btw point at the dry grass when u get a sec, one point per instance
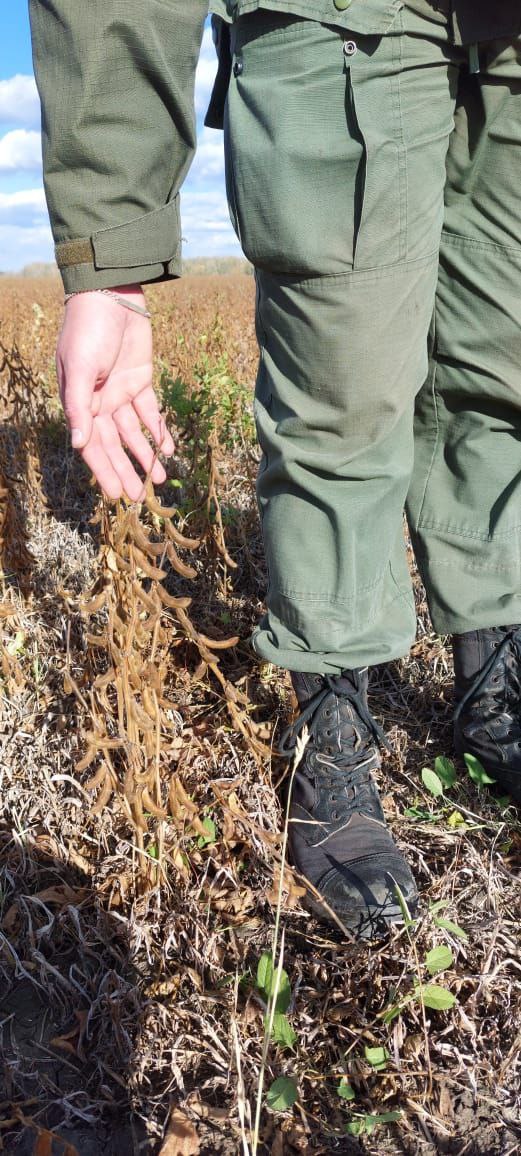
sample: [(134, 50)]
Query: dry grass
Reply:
[(138, 892)]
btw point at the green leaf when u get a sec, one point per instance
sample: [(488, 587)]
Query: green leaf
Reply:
[(282, 1031), (266, 980), (456, 821), (282, 1094), (439, 959), (284, 992), (210, 837), (345, 1090), (431, 781), (377, 1057), (265, 973), (406, 915), (438, 905), (453, 927), (477, 771), (391, 1013), (369, 1122), (435, 997), (445, 770)]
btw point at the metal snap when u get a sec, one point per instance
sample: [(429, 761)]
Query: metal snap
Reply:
[(237, 68), (349, 48)]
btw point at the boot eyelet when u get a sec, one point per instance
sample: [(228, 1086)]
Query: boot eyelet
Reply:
[(327, 713)]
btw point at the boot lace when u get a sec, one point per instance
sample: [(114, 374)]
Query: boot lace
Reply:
[(348, 685)]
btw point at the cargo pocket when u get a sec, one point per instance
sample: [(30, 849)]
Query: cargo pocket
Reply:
[(380, 233), (315, 165)]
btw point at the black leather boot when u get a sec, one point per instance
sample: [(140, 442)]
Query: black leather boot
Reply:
[(487, 721), (338, 838)]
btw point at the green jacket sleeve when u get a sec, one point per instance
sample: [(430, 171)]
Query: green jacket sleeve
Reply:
[(116, 83)]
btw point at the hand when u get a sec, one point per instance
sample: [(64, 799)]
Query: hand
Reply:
[(104, 365)]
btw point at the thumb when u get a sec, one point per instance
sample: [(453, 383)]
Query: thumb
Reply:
[(77, 403)]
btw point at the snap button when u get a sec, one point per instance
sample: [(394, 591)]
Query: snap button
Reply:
[(349, 48), (237, 68), (341, 5)]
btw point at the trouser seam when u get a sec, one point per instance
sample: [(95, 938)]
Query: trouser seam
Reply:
[(434, 364), (461, 240)]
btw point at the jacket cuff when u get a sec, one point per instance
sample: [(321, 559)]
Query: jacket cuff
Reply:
[(147, 248)]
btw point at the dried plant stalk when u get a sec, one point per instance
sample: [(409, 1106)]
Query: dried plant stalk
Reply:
[(135, 622)]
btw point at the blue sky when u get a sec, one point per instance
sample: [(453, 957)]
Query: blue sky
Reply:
[(25, 235)]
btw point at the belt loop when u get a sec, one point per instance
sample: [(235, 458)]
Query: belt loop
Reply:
[(473, 59)]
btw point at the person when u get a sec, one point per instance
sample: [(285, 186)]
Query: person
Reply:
[(373, 169)]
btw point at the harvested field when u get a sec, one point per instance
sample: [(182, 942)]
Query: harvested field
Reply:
[(140, 825)]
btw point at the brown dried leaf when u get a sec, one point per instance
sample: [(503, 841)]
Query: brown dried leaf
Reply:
[(181, 1136)]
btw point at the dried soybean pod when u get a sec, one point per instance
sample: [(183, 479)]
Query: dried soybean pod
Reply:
[(92, 605), (149, 703), (141, 538), (172, 602), (146, 566), (140, 717), (103, 680), (103, 797), (219, 644), (96, 780), (180, 567), (96, 639), (174, 534), (154, 505), (149, 805), (150, 601), (87, 759)]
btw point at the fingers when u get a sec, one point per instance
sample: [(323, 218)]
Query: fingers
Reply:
[(129, 429), (96, 458), (146, 406), (120, 463)]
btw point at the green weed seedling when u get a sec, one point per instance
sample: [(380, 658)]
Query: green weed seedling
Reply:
[(377, 1058), (282, 1094), (446, 924), (345, 1090), (477, 771), (281, 1031), (438, 959), (364, 1125), (211, 833)]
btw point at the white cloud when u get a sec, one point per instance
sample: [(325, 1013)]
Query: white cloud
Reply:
[(206, 69), (206, 225), (25, 234), (209, 158), (21, 246), (24, 201), (20, 150), (19, 103)]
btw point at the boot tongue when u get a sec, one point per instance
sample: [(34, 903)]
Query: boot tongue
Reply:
[(306, 686), (472, 650)]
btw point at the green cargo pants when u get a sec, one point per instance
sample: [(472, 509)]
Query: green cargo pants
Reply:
[(375, 184)]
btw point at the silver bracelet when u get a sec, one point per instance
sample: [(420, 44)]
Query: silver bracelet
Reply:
[(115, 296)]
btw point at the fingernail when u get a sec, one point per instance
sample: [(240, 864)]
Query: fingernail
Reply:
[(76, 437)]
